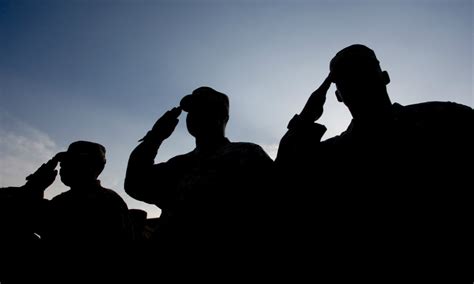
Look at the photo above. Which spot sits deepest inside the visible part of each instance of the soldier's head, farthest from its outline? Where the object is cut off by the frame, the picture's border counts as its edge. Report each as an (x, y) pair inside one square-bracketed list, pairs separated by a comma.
[(82, 163), (361, 83), (208, 112)]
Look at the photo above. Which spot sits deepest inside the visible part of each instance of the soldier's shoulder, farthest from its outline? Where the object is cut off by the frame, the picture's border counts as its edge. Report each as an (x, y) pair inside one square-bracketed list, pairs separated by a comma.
[(244, 146), (182, 157), (247, 148), (65, 198), (113, 197), (439, 108), (438, 113), (111, 192)]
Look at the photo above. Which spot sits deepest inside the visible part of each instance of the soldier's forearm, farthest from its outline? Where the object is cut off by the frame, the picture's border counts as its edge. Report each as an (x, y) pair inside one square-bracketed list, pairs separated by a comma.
[(140, 163)]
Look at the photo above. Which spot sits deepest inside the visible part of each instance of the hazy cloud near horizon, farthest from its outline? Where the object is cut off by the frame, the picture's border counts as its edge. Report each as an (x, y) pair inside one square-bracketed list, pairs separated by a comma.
[(22, 150)]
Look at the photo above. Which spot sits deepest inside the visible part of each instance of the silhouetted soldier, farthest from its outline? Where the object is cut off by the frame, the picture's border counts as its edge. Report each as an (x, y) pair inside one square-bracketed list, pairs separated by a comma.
[(87, 212), (211, 198), (84, 223), (393, 184)]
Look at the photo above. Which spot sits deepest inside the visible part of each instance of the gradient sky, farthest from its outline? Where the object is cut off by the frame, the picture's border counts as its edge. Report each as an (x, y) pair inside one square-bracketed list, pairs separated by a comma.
[(104, 71)]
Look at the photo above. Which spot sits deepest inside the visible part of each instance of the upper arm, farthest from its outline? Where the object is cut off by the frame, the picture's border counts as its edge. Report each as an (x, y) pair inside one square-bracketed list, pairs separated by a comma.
[(154, 184)]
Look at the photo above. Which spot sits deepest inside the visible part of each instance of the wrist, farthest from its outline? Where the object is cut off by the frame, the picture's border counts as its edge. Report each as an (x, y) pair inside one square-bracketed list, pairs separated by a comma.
[(299, 120), (152, 136), (34, 189)]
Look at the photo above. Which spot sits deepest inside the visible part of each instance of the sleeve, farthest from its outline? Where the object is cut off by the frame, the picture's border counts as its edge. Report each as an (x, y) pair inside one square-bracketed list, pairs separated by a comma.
[(301, 139), (150, 183)]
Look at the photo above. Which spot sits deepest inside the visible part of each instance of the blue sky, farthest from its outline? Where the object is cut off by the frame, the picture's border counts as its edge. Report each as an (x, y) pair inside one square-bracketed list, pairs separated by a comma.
[(104, 71)]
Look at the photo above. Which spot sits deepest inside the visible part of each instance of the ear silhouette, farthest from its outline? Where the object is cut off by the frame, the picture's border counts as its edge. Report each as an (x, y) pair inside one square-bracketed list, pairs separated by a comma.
[(338, 96), (386, 77)]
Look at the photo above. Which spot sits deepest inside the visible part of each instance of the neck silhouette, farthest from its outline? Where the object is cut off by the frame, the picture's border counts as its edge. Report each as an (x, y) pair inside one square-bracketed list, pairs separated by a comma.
[(84, 185), (378, 108), (210, 142)]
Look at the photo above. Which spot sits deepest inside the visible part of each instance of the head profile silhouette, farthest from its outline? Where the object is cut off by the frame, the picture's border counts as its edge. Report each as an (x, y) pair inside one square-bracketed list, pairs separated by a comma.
[(208, 112), (82, 163), (361, 83)]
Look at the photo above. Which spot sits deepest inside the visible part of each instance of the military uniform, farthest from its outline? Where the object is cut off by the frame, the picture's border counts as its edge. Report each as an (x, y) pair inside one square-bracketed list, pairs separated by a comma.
[(214, 198), (384, 189), (88, 214), (210, 196)]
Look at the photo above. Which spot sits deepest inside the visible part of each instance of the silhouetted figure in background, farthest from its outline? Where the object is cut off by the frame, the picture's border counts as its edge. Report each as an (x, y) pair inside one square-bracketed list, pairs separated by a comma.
[(22, 207), (392, 186), (87, 212), (212, 198), (79, 229), (17, 222), (139, 222)]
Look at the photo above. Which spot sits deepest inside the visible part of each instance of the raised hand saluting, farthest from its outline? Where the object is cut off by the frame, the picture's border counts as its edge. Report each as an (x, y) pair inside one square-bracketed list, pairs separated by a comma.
[(313, 109), (164, 126)]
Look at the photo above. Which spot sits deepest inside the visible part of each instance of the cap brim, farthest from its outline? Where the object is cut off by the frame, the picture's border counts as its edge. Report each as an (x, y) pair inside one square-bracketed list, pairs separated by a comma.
[(186, 103), (60, 156)]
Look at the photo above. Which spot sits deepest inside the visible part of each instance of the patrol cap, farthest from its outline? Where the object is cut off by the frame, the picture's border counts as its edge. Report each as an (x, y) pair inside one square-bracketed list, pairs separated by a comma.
[(351, 55), (84, 150), (206, 99)]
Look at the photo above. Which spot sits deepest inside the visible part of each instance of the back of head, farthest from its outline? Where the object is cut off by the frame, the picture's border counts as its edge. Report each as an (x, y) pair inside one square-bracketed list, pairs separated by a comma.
[(206, 100), (352, 56), (91, 151), (83, 161), (208, 111), (361, 83)]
